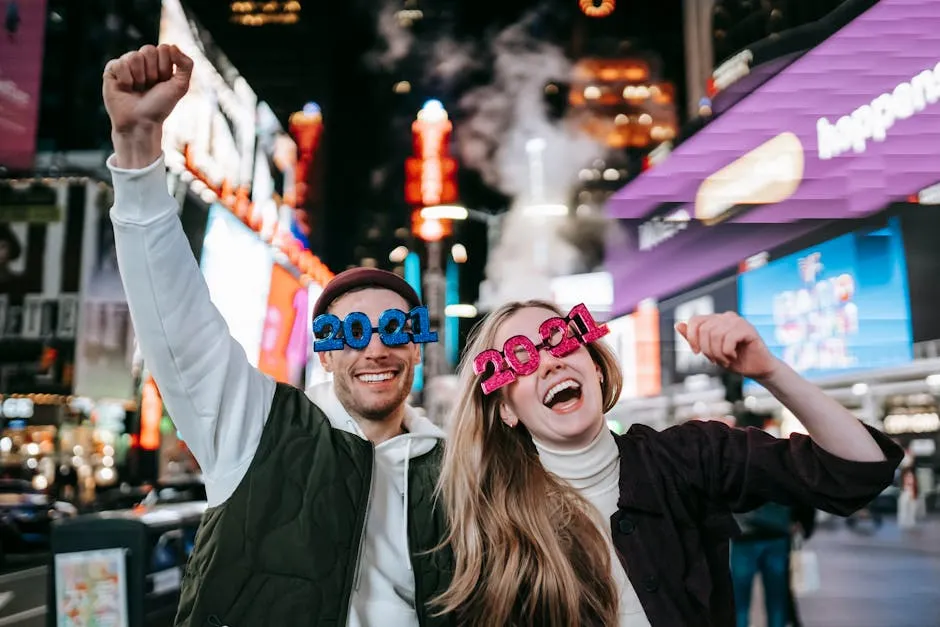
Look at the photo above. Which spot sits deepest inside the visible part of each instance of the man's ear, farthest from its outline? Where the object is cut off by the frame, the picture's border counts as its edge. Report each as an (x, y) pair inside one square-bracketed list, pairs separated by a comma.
[(507, 415), (326, 360)]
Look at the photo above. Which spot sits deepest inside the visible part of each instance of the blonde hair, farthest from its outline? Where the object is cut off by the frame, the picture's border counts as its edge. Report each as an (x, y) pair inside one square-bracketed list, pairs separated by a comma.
[(527, 552)]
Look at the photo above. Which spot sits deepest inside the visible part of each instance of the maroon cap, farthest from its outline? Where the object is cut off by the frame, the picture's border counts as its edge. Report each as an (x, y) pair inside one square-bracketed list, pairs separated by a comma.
[(358, 278)]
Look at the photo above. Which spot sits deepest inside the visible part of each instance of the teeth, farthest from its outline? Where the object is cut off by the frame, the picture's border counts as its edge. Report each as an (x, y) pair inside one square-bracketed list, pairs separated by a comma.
[(558, 387), (375, 378)]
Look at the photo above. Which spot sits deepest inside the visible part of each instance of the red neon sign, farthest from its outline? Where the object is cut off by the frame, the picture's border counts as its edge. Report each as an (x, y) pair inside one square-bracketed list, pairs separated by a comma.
[(430, 175)]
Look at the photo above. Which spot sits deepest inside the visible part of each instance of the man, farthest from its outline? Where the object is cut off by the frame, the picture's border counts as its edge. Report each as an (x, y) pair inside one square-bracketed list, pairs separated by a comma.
[(321, 504)]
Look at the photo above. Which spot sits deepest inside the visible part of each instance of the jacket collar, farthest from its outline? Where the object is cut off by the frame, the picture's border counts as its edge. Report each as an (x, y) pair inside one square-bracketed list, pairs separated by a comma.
[(638, 491)]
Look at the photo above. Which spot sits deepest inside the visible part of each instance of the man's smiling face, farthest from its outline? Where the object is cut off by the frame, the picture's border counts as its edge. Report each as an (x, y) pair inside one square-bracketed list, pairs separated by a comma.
[(372, 383)]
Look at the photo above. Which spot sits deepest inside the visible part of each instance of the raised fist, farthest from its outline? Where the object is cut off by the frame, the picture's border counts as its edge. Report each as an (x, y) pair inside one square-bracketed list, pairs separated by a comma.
[(141, 88), (730, 341)]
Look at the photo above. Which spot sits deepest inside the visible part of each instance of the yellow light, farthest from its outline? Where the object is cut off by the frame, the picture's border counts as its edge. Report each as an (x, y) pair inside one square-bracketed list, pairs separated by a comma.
[(460, 311), (445, 212), (459, 253), (398, 254), (593, 8), (431, 230)]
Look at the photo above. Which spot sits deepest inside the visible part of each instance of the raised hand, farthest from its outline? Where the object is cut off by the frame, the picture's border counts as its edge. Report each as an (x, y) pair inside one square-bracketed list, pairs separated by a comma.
[(140, 90), (731, 342)]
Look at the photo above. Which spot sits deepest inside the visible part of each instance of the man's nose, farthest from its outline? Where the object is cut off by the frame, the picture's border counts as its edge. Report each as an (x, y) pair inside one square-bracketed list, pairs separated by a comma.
[(376, 346)]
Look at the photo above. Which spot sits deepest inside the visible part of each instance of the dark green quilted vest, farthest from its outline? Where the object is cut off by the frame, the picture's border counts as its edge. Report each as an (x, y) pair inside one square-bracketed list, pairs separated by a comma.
[(283, 550)]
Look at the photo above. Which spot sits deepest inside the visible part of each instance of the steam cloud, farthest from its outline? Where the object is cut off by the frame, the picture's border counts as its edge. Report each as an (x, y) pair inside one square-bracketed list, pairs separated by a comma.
[(496, 122), (398, 41)]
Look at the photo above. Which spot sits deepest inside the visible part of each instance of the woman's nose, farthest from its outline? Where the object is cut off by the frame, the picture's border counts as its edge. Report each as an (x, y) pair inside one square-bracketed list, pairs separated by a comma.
[(548, 363)]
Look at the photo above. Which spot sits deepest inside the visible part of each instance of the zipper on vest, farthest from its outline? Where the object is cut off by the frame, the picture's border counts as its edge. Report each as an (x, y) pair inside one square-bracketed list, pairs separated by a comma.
[(365, 517)]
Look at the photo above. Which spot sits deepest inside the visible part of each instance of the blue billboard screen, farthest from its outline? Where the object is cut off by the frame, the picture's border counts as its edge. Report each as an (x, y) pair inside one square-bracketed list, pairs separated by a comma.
[(835, 308)]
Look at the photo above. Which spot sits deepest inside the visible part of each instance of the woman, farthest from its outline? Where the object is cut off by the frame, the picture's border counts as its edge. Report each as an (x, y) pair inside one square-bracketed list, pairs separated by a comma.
[(556, 521)]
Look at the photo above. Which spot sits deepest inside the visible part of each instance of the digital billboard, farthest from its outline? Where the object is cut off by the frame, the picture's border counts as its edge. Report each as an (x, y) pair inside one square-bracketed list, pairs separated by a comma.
[(42, 244), (212, 129), (851, 126), (635, 341), (286, 334), (237, 267), (678, 360), (105, 344), (845, 130), (835, 308), (21, 53)]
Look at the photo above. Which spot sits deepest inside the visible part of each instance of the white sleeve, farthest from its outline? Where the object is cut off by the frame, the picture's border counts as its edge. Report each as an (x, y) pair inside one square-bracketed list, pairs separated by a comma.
[(217, 400)]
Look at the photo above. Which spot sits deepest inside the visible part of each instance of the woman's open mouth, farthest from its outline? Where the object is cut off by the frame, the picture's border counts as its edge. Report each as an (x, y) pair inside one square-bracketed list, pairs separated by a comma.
[(563, 397)]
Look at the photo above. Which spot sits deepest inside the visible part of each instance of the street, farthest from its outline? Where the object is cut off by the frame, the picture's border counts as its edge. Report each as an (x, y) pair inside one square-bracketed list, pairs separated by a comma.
[(871, 578), (887, 578), (23, 588)]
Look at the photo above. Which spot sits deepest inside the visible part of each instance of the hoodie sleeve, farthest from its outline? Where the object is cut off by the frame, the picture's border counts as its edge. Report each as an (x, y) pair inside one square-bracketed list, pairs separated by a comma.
[(217, 400)]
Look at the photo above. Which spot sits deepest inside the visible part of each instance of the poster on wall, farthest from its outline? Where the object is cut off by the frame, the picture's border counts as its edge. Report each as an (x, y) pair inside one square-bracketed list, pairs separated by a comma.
[(635, 341), (41, 239), (91, 588), (105, 344), (286, 334), (237, 267), (678, 360), (835, 308), (21, 53)]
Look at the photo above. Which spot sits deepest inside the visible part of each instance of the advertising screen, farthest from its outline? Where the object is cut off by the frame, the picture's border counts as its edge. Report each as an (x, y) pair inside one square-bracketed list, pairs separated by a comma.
[(237, 267), (635, 340), (849, 127), (845, 130), (105, 345), (286, 334), (42, 244), (658, 267), (835, 308), (214, 123), (21, 51), (678, 360)]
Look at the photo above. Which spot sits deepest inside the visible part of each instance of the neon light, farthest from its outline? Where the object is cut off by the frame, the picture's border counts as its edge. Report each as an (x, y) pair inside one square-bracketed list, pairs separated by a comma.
[(151, 414)]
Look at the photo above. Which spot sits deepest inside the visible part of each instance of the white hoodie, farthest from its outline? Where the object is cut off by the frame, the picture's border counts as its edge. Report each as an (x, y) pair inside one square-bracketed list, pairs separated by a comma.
[(220, 403)]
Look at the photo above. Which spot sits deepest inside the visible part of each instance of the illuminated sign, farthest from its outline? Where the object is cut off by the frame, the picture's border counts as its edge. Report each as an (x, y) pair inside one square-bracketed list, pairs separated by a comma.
[(430, 175), (151, 413), (656, 231), (597, 8), (307, 127), (214, 123), (770, 173), (927, 422), (261, 12), (17, 408), (881, 59), (872, 121), (211, 134)]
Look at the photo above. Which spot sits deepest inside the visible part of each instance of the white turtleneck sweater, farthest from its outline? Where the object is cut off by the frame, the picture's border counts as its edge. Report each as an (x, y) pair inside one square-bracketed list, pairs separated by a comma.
[(594, 471)]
